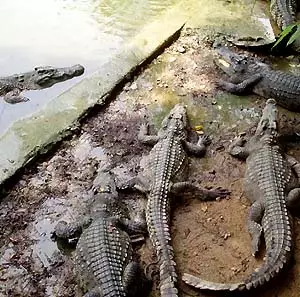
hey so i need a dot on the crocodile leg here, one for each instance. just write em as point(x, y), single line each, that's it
point(131, 226)
point(254, 226)
point(14, 97)
point(293, 198)
point(138, 182)
point(199, 148)
point(67, 231)
point(145, 138)
point(295, 166)
point(131, 278)
point(241, 87)
point(237, 149)
point(204, 194)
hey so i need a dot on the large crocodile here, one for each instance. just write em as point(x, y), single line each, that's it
point(272, 185)
point(161, 176)
point(250, 74)
point(104, 252)
point(40, 78)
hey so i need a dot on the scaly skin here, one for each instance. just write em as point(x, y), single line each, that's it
point(250, 74)
point(284, 12)
point(39, 78)
point(272, 185)
point(104, 254)
point(162, 174)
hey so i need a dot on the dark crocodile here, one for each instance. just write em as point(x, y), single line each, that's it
point(284, 12)
point(40, 78)
point(249, 74)
point(104, 254)
point(272, 185)
point(161, 176)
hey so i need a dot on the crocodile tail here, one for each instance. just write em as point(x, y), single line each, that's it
point(168, 276)
point(157, 221)
point(256, 279)
point(207, 285)
point(272, 266)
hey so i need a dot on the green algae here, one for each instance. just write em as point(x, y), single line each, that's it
point(227, 111)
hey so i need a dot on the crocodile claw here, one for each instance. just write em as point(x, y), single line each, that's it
point(204, 140)
point(222, 84)
point(144, 128)
point(218, 192)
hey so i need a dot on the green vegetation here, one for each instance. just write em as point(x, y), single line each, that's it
point(287, 36)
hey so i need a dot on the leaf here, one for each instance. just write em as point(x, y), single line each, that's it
point(291, 29)
point(295, 36)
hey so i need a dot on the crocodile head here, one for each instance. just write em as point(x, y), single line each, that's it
point(239, 67)
point(47, 76)
point(105, 196)
point(267, 125)
point(175, 121)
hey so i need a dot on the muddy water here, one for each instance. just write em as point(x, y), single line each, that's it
point(63, 33)
point(66, 32)
point(48, 33)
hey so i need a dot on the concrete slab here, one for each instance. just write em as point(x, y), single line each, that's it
point(29, 136)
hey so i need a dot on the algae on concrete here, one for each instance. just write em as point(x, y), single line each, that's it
point(32, 135)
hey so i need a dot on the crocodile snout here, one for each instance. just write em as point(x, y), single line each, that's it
point(271, 101)
point(76, 70)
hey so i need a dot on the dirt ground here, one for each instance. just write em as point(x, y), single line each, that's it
point(210, 238)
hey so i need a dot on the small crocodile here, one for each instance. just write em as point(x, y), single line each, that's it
point(161, 176)
point(104, 253)
point(272, 185)
point(40, 78)
point(250, 74)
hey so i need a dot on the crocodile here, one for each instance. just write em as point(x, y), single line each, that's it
point(162, 174)
point(104, 253)
point(284, 12)
point(250, 74)
point(40, 78)
point(272, 185)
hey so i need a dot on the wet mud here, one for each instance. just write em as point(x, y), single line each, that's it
point(210, 238)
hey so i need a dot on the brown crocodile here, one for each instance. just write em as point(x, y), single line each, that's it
point(162, 175)
point(272, 185)
point(250, 74)
point(40, 78)
point(104, 253)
